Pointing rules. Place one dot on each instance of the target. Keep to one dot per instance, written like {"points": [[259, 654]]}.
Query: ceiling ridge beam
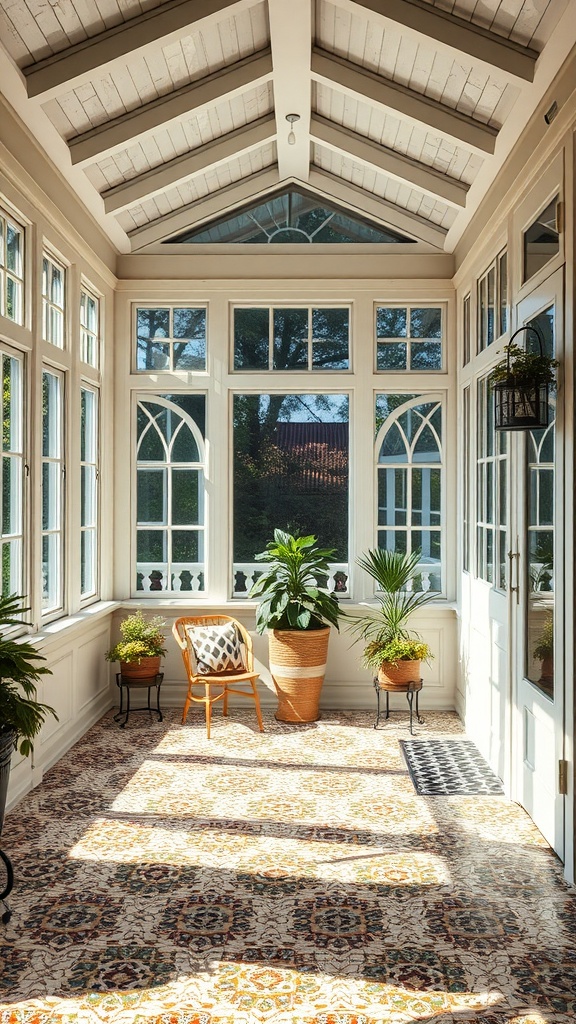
{"points": [[455, 33], [292, 23], [122, 130], [341, 74], [208, 208], [413, 172], [370, 205], [161, 25], [189, 165]]}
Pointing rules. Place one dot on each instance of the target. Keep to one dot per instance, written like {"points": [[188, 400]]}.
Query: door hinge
{"points": [[563, 777]]}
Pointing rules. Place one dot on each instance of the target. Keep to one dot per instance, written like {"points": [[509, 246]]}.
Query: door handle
{"points": [[514, 558]]}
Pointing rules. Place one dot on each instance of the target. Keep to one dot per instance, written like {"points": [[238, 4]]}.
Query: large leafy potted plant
{"points": [[298, 612], [391, 649], [21, 714], [141, 647]]}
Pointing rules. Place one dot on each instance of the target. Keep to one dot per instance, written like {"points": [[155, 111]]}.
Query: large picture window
{"points": [[290, 472], [12, 466], [409, 458], [291, 338], [170, 521], [52, 491]]}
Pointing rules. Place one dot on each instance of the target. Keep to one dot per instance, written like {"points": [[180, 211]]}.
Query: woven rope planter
{"points": [[403, 672], [298, 665], [146, 668]]}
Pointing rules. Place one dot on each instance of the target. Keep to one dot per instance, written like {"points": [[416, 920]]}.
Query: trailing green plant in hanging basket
{"points": [[525, 368]]}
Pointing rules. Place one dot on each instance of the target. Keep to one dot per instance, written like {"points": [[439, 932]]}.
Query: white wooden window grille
{"points": [[53, 471], [11, 269], [89, 329], [170, 338], [409, 338], [53, 301], [492, 291], [170, 486], [409, 467], [491, 492], [12, 532], [291, 338], [89, 503]]}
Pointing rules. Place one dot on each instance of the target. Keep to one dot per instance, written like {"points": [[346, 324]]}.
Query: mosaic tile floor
{"points": [[290, 877]]}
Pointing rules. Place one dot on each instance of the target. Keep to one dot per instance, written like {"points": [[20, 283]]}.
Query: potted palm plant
{"points": [[21, 714], [298, 612], [141, 647], [391, 650]]}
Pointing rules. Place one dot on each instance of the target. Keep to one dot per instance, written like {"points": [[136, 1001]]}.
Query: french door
{"points": [[537, 587]]}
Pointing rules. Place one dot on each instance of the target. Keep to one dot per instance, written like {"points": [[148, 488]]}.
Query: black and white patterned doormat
{"points": [[449, 768]]}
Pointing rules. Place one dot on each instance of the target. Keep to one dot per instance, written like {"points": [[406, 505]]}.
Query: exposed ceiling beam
{"points": [[369, 205], [206, 209], [340, 74], [199, 161], [455, 33], [120, 131], [402, 168], [290, 35], [161, 25]]}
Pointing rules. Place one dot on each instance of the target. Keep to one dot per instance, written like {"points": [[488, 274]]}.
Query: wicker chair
{"points": [[225, 682]]}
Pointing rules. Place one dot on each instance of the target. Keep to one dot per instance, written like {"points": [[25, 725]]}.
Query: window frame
{"points": [[86, 596], [51, 311], [169, 340], [90, 293], [408, 339], [311, 307], [501, 310], [6, 275], [488, 464], [58, 460]]}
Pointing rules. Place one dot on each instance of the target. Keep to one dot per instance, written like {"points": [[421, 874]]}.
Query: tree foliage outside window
{"points": [[409, 338], [170, 338], [291, 338], [290, 470]]}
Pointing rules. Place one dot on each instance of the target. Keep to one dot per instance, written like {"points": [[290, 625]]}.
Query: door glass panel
{"points": [[541, 241], [540, 519]]}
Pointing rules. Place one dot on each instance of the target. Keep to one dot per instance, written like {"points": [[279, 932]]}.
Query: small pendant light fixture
{"points": [[292, 118]]}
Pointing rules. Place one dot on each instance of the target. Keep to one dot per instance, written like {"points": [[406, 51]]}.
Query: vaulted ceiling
{"points": [[165, 115]]}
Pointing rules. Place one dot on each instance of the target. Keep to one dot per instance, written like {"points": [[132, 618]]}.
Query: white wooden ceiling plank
{"points": [[229, 42], [504, 106], [109, 96], [143, 33], [326, 24], [357, 39], [13, 41], [142, 79], [374, 45], [90, 16], [176, 63], [48, 23], [195, 61], [405, 60], [453, 33], [159, 73], [259, 26], [72, 28], [390, 50], [171, 142], [28, 28], [96, 178], [422, 68], [60, 119], [110, 13], [74, 111], [489, 99], [92, 105]]}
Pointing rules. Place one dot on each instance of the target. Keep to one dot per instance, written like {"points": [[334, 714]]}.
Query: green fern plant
{"points": [[20, 712]]}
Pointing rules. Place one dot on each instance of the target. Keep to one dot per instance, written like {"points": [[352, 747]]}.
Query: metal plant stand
{"points": [[7, 914], [410, 688], [6, 748], [124, 683]]}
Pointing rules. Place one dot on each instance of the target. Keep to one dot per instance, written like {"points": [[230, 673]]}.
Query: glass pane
{"points": [[482, 312], [50, 572], [426, 447], [426, 355], [151, 546], [151, 501], [185, 546], [290, 470], [393, 540], [541, 241], [190, 356], [12, 567], [489, 492], [489, 556], [87, 425], [491, 306], [57, 286], [391, 322], [466, 331], [11, 495], [189, 323], [184, 447], [50, 496], [87, 496], [330, 334], [394, 446], [87, 563], [152, 323], [425, 323], [429, 543], [503, 285], [13, 250], [426, 497], [45, 276], [50, 415], [392, 497], [56, 326], [185, 497], [251, 339], [14, 300], [290, 339], [150, 444], [501, 581], [153, 355], [391, 355], [12, 405], [503, 492]]}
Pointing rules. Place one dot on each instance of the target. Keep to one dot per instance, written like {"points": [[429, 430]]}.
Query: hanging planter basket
{"points": [[521, 401]]}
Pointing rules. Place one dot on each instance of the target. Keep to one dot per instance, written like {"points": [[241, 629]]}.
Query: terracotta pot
{"points": [[391, 676], [146, 668], [298, 664]]}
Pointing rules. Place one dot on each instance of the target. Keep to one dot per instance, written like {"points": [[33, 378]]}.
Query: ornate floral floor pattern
{"points": [[289, 877]]}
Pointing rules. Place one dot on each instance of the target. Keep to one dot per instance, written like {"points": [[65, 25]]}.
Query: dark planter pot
{"points": [[6, 747], [146, 668]]}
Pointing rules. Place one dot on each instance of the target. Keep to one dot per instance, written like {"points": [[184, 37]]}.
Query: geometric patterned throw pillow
{"points": [[216, 648]]}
